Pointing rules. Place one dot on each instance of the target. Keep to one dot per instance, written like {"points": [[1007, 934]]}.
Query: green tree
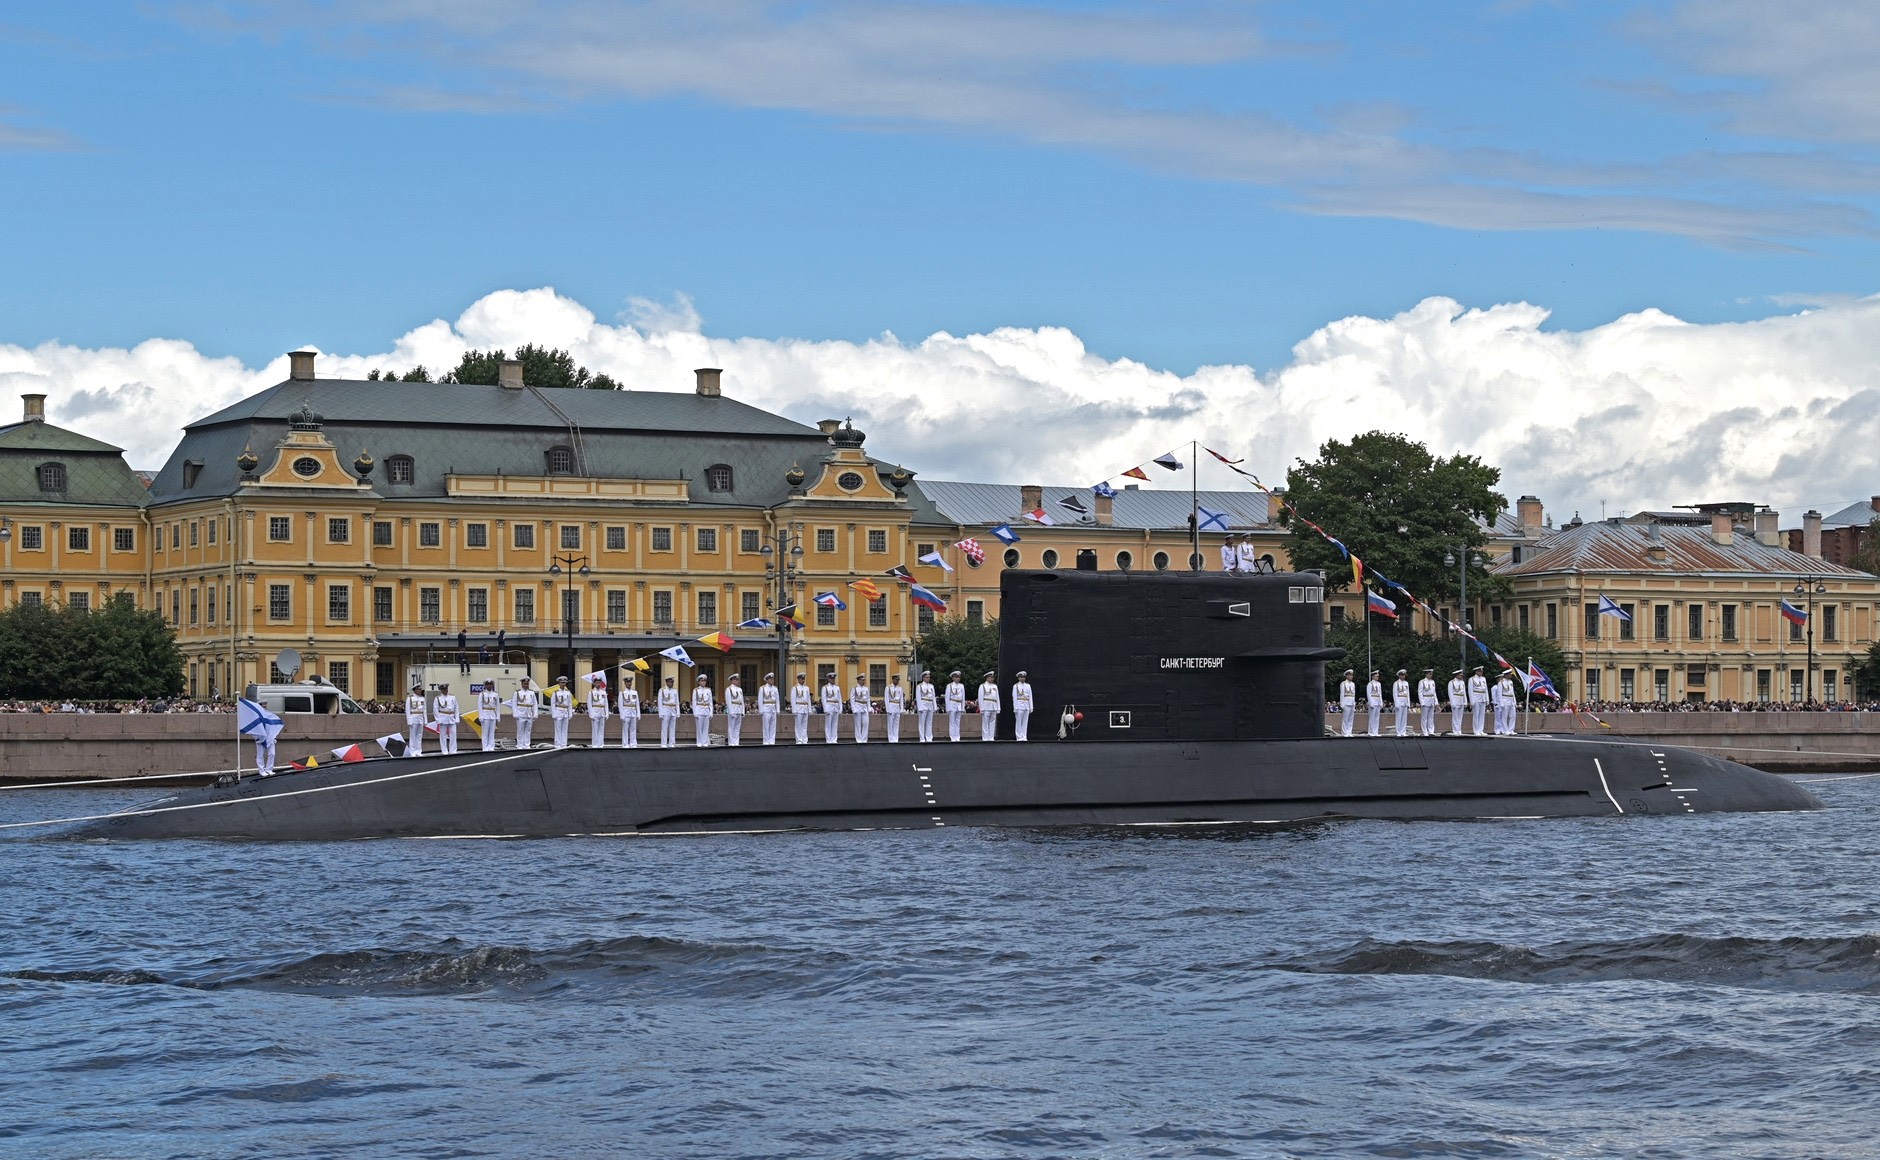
{"points": [[1867, 556], [541, 367], [1867, 675], [955, 642], [1398, 507], [117, 652]]}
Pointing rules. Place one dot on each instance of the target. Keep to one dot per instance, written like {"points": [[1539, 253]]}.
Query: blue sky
{"points": [[1176, 184]]}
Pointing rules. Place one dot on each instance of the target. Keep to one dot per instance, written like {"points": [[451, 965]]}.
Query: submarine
{"points": [[1163, 699]]}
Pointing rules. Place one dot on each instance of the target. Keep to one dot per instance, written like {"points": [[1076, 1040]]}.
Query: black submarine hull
{"points": [[553, 793]]}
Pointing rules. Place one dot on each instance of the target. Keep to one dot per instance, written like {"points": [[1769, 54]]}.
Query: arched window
{"points": [[1011, 557], [401, 469], [52, 477], [1161, 561], [1124, 560], [1050, 558], [561, 461], [718, 477]]}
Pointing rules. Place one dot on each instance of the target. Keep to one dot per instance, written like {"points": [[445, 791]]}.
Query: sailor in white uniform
{"points": [[1478, 700], [956, 705], [769, 704], [734, 709], [926, 704], [988, 707], [561, 711], [668, 707], [1427, 703], [264, 752], [832, 710], [489, 714], [1400, 702], [1494, 708], [598, 699], [702, 710], [1347, 704], [894, 703], [444, 716], [1249, 563], [861, 705], [629, 711], [1458, 702], [1510, 704], [1230, 555], [802, 701], [1373, 704], [528, 706], [1021, 707], [417, 714]]}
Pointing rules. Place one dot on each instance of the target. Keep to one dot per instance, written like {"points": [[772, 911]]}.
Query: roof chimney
{"points": [[300, 364], [1275, 504], [35, 408], [1768, 533], [1811, 533], [1655, 549], [1030, 497], [708, 382], [1722, 531], [509, 374], [1528, 507], [1105, 510]]}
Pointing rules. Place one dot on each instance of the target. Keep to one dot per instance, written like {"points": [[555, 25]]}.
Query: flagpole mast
{"points": [[1527, 688], [1194, 506]]}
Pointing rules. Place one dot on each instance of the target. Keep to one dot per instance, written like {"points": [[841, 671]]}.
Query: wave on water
{"points": [[1787, 964], [652, 966]]}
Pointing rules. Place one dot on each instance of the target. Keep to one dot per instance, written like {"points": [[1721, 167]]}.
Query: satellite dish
{"points": [[288, 661]]}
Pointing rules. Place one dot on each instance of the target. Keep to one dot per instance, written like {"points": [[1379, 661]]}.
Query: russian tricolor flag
{"points": [[1793, 614], [1379, 605]]}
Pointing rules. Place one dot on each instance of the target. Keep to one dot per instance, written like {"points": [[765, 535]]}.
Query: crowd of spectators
{"points": [[1723, 706], [145, 705]]}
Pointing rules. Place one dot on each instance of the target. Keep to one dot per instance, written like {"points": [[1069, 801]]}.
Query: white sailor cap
{"points": [[1021, 672], [770, 676]]}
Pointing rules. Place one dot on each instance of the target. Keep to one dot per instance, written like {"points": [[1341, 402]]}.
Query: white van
{"points": [[307, 697]]}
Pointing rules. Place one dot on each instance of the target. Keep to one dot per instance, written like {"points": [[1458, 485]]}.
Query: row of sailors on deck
{"points": [[1475, 697], [443, 712]]}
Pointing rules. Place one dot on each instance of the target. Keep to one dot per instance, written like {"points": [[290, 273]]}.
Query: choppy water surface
{"points": [[1683, 986]]}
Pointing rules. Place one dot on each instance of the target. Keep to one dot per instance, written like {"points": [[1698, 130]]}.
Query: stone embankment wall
{"points": [[1786, 742]]}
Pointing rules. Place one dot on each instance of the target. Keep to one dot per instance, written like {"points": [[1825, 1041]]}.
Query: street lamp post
{"points": [[782, 573], [573, 566], [1462, 565], [1811, 586]]}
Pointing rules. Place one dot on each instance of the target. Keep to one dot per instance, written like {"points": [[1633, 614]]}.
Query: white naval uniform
{"points": [[629, 717], [528, 707], [1478, 702], [415, 717], [894, 703], [956, 708], [264, 752], [802, 700], [832, 712], [702, 714], [1494, 707], [860, 707], [1510, 704], [988, 710], [734, 713], [1400, 706], [1373, 706], [668, 717], [1347, 706], [561, 711], [1021, 710], [1427, 704], [926, 704], [489, 715], [1249, 561], [769, 704], [1458, 704], [597, 716], [1230, 558], [444, 714]]}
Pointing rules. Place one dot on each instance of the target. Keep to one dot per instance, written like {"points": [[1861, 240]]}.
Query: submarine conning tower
{"points": [[1167, 656]]}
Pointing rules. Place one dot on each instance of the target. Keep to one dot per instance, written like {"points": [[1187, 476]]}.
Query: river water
{"points": [[1667, 986]]}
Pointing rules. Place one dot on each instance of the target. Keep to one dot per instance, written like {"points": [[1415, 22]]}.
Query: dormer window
{"points": [[191, 469], [560, 461], [52, 477], [718, 477], [401, 469]]}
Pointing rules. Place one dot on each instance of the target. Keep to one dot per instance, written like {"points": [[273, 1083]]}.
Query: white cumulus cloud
{"points": [[1644, 411]]}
